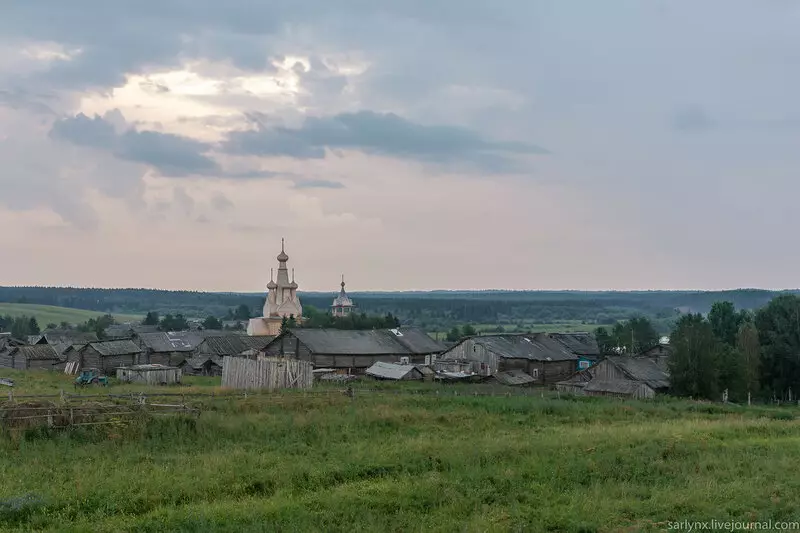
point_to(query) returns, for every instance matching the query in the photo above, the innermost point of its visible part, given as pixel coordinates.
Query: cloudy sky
(521, 144)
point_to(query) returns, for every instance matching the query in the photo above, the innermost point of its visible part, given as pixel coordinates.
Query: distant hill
(47, 314)
(435, 310)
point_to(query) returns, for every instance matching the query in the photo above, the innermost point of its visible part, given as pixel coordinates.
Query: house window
(583, 365)
(535, 373)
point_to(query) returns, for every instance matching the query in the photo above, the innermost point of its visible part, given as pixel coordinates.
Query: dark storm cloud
(170, 154)
(384, 134)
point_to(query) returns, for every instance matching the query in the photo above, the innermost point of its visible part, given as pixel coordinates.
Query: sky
(469, 144)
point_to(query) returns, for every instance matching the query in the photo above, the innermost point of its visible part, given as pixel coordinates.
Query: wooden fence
(20, 415)
(269, 373)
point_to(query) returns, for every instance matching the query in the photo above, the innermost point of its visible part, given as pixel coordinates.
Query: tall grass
(385, 462)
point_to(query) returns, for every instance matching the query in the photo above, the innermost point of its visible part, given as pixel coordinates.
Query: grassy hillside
(46, 314)
(395, 462)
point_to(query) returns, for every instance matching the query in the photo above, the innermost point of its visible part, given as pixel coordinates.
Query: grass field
(46, 314)
(400, 462)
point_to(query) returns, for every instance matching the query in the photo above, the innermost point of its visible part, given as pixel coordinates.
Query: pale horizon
(524, 144)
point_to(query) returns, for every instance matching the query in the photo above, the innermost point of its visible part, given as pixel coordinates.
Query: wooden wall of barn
(290, 346)
(6, 360)
(89, 357)
(112, 362)
(150, 376)
(605, 371)
(483, 362)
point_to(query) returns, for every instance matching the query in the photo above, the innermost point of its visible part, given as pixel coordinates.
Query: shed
(355, 350)
(627, 368)
(203, 365)
(106, 355)
(620, 376)
(538, 355)
(36, 357)
(8, 343)
(514, 378)
(392, 371)
(150, 374)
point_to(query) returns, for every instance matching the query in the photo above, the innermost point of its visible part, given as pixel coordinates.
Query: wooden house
(659, 354)
(62, 340)
(232, 345)
(36, 357)
(544, 359)
(620, 376)
(355, 350)
(106, 355)
(8, 343)
(583, 345)
(168, 348)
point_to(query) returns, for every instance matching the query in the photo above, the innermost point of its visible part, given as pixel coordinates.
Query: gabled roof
(641, 369)
(256, 342)
(578, 343)
(128, 330)
(514, 377)
(39, 352)
(223, 345)
(8, 342)
(416, 340)
(64, 336)
(119, 347)
(391, 370)
(534, 347)
(171, 341)
(198, 361)
(404, 341)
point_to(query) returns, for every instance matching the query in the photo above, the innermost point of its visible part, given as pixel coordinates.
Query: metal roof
(119, 347)
(641, 369)
(391, 370)
(401, 341)
(534, 347)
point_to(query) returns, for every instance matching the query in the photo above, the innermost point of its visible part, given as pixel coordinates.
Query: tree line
(738, 353)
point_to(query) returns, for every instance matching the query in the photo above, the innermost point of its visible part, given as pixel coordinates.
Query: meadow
(50, 314)
(393, 461)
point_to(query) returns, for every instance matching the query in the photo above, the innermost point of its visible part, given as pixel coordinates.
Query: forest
(435, 310)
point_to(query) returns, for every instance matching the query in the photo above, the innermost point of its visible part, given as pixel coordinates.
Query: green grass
(46, 314)
(395, 462)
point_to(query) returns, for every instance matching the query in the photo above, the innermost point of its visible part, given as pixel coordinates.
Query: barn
(105, 355)
(355, 350)
(170, 348)
(620, 376)
(36, 357)
(232, 345)
(544, 359)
